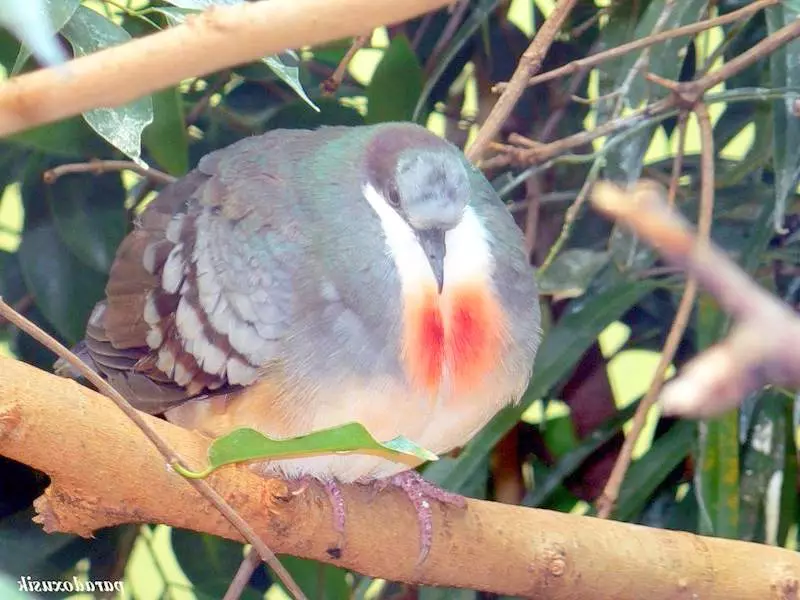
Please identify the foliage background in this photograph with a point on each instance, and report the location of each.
(608, 303)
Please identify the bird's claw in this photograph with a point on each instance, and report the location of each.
(420, 492)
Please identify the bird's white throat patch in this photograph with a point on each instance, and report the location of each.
(467, 259)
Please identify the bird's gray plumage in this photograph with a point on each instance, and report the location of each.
(266, 259)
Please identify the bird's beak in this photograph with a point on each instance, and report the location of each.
(432, 242)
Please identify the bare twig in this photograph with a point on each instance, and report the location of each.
(677, 163)
(173, 459)
(656, 38)
(243, 574)
(529, 63)
(332, 83)
(594, 172)
(608, 499)
(457, 12)
(98, 167)
(202, 104)
(22, 305)
(204, 46)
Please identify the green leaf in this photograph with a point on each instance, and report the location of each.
(784, 72)
(248, 444)
(439, 593)
(285, 67)
(627, 250)
(571, 272)
(717, 470)
(297, 115)
(90, 219)
(759, 153)
(39, 21)
(87, 32)
(764, 466)
(64, 289)
(562, 347)
(396, 84)
(166, 138)
(25, 549)
(70, 138)
(572, 460)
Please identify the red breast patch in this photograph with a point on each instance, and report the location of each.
(462, 330)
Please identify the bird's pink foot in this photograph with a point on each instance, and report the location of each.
(334, 492)
(337, 502)
(421, 492)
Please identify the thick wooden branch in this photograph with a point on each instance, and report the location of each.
(104, 472)
(223, 36)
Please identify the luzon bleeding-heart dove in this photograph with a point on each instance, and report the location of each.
(300, 280)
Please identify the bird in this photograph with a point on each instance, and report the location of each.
(304, 279)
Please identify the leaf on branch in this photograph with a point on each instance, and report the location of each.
(36, 23)
(247, 444)
(88, 32)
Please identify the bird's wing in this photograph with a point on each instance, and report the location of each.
(200, 294)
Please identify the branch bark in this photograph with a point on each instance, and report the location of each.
(116, 476)
(204, 45)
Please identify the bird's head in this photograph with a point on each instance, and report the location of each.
(423, 180)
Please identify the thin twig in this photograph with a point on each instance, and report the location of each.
(239, 582)
(608, 499)
(581, 28)
(166, 451)
(594, 172)
(650, 40)
(98, 167)
(22, 305)
(202, 104)
(677, 163)
(529, 63)
(332, 83)
(456, 17)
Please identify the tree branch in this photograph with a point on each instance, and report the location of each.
(115, 476)
(98, 167)
(204, 45)
(596, 59)
(529, 63)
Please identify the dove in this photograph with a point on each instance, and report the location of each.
(303, 279)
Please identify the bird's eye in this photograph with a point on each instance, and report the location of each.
(393, 198)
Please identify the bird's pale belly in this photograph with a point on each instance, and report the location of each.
(386, 409)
